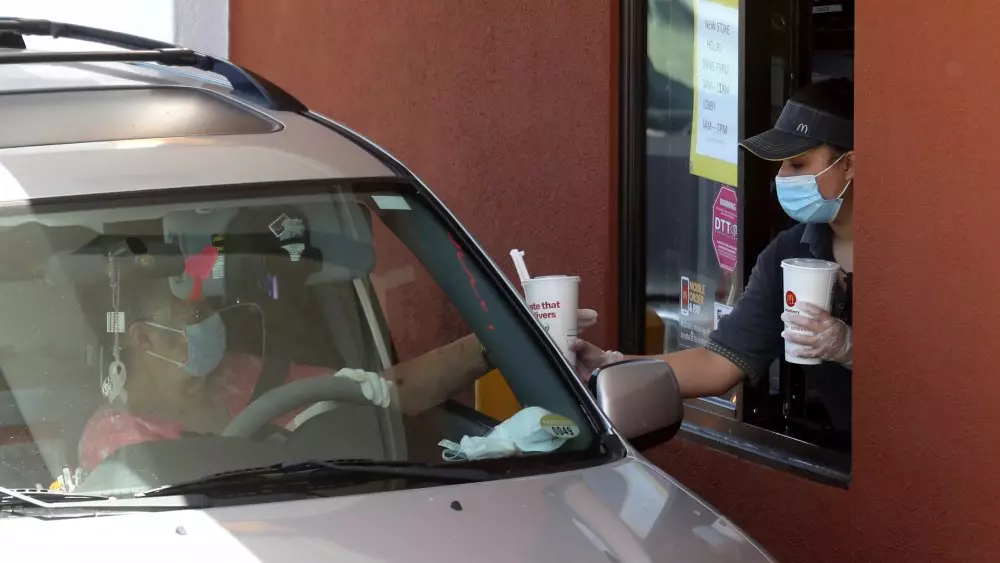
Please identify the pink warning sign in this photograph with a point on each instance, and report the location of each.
(725, 219)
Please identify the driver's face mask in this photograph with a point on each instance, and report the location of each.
(206, 345)
(533, 429)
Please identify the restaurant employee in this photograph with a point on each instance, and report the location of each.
(814, 141)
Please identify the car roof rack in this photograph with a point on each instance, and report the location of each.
(141, 49)
(11, 41)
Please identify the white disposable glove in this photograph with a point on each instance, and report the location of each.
(826, 338)
(585, 318)
(374, 387)
(590, 358)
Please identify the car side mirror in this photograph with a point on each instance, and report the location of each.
(641, 398)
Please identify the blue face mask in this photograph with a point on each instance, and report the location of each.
(801, 199)
(206, 343)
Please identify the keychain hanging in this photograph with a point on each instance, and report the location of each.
(113, 384)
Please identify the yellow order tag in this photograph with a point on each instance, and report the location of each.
(559, 426)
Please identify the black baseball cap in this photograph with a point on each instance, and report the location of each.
(800, 129)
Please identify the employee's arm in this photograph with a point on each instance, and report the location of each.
(702, 373)
(745, 344)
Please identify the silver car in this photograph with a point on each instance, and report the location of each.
(235, 330)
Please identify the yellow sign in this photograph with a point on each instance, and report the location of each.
(494, 397)
(715, 121)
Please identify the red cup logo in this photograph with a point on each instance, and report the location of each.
(790, 299)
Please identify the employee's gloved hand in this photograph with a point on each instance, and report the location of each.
(585, 318)
(830, 338)
(590, 358)
(374, 387)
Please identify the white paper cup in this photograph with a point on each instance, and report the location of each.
(807, 280)
(554, 301)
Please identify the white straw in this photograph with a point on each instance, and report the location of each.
(522, 271)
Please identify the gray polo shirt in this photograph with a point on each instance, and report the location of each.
(750, 336)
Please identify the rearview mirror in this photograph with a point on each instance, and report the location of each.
(642, 400)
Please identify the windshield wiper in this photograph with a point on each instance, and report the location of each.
(50, 502)
(42, 498)
(313, 470)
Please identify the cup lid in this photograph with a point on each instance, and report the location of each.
(552, 278)
(809, 264)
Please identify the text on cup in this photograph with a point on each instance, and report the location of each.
(546, 309)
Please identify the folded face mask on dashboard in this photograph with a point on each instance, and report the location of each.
(532, 429)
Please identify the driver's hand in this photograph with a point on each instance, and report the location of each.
(374, 387)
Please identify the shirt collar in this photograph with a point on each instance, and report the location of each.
(819, 238)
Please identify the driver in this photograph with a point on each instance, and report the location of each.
(176, 376)
(178, 379)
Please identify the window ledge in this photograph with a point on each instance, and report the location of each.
(766, 448)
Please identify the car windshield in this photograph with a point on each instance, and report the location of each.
(156, 340)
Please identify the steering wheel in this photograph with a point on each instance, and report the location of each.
(299, 394)
(292, 396)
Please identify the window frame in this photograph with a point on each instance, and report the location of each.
(707, 421)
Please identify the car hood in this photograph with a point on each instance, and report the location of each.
(627, 511)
